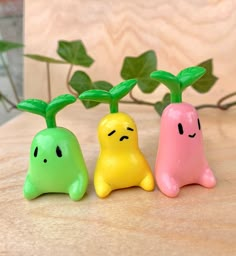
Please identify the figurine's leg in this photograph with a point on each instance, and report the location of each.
(207, 178)
(148, 182)
(30, 191)
(102, 188)
(78, 188)
(168, 185)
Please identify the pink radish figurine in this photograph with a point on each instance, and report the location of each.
(180, 158)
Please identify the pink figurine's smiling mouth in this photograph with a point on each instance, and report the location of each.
(192, 135)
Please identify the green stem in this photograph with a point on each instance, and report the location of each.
(114, 106)
(10, 78)
(175, 97)
(51, 121)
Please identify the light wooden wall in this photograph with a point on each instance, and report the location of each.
(183, 33)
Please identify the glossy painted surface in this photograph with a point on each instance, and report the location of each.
(180, 159)
(56, 165)
(120, 164)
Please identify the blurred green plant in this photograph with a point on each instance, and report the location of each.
(4, 47)
(73, 53)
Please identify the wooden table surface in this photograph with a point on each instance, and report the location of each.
(131, 221)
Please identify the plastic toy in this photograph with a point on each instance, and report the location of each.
(120, 164)
(56, 160)
(180, 158)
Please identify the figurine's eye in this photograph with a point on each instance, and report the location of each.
(36, 152)
(199, 124)
(109, 134)
(180, 127)
(58, 151)
(130, 129)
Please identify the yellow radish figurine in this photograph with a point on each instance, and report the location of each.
(120, 164)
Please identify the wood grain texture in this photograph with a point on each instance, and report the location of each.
(183, 33)
(129, 221)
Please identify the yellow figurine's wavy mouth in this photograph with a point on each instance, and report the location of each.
(124, 137)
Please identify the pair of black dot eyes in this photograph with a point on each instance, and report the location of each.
(181, 129)
(112, 132)
(58, 151)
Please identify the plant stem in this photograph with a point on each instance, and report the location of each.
(49, 82)
(226, 106)
(5, 106)
(140, 102)
(10, 78)
(229, 105)
(68, 80)
(219, 104)
(137, 101)
(206, 106)
(13, 105)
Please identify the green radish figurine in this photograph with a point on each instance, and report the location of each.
(180, 159)
(56, 161)
(120, 164)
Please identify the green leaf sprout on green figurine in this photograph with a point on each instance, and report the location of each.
(56, 161)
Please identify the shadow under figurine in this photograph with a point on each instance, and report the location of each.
(56, 161)
(120, 164)
(180, 158)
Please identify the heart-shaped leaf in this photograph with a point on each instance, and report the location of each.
(81, 82)
(102, 85)
(6, 46)
(206, 82)
(140, 68)
(74, 52)
(44, 59)
(161, 105)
